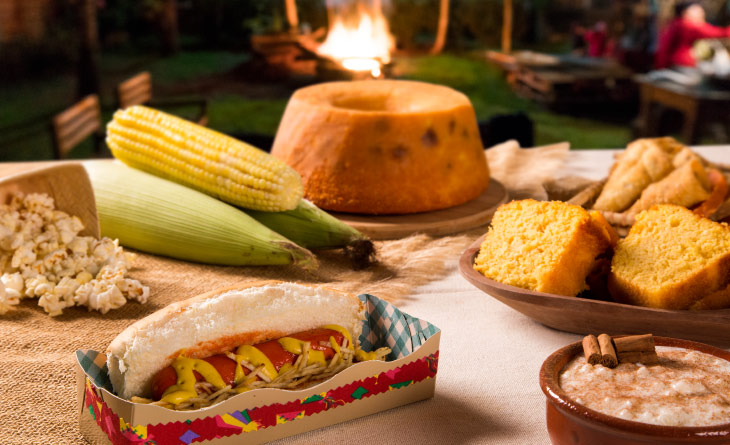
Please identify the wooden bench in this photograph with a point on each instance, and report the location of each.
(73, 125)
(137, 90)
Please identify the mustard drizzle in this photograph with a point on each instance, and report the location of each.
(184, 389)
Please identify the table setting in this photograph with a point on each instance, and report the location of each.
(380, 275)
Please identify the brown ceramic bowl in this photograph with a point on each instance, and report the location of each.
(570, 423)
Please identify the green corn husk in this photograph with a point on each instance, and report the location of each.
(313, 228)
(161, 217)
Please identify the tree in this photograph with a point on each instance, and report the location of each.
(507, 27)
(291, 15)
(169, 28)
(443, 27)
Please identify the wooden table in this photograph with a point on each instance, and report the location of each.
(487, 389)
(565, 78)
(699, 104)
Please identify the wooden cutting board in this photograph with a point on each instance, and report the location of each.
(475, 213)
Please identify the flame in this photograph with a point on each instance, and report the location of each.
(360, 45)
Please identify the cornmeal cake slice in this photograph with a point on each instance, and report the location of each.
(544, 246)
(673, 259)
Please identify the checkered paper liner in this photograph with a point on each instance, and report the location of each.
(385, 325)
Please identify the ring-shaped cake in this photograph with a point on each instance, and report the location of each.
(383, 147)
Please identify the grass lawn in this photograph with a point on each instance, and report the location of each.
(491, 95)
(26, 108)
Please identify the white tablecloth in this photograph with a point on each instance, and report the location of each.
(487, 387)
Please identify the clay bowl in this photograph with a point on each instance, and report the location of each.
(586, 316)
(570, 423)
(67, 183)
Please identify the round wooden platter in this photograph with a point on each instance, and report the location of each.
(586, 316)
(466, 216)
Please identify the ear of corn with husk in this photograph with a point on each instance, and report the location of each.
(157, 216)
(204, 159)
(313, 228)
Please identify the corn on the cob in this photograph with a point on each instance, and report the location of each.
(313, 228)
(160, 217)
(203, 159)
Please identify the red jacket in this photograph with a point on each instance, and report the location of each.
(597, 42)
(676, 40)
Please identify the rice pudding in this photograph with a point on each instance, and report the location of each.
(686, 388)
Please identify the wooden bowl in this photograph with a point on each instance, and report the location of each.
(570, 423)
(585, 316)
(67, 183)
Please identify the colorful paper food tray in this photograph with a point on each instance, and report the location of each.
(408, 375)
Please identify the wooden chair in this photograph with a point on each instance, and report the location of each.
(137, 90)
(73, 125)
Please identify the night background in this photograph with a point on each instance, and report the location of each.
(238, 61)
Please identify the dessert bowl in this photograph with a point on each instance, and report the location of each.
(571, 423)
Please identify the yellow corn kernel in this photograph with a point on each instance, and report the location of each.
(203, 159)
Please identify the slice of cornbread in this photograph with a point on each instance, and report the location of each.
(544, 246)
(672, 259)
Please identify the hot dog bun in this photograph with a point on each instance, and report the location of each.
(220, 320)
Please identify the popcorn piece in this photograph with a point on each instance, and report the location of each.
(134, 290)
(23, 255)
(84, 277)
(13, 284)
(6, 301)
(66, 288)
(37, 286)
(105, 296)
(42, 255)
(52, 304)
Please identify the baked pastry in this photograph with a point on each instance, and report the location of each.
(641, 164)
(672, 259)
(657, 171)
(544, 246)
(383, 147)
(686, 186)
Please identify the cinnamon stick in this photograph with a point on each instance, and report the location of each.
(635, 343)
(591, 349)
(608, 353)
(636, 348)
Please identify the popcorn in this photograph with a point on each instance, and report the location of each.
(9, 297)
(52, 304)
(42, 255)
(105, 296)
(13, 284)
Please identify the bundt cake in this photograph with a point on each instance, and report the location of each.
(673, 259)
(383, 147)
(544, 246)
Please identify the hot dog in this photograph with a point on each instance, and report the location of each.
(201, 351)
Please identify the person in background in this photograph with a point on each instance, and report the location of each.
(597, 40)
(677, 38)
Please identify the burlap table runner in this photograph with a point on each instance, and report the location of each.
(37, 387)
